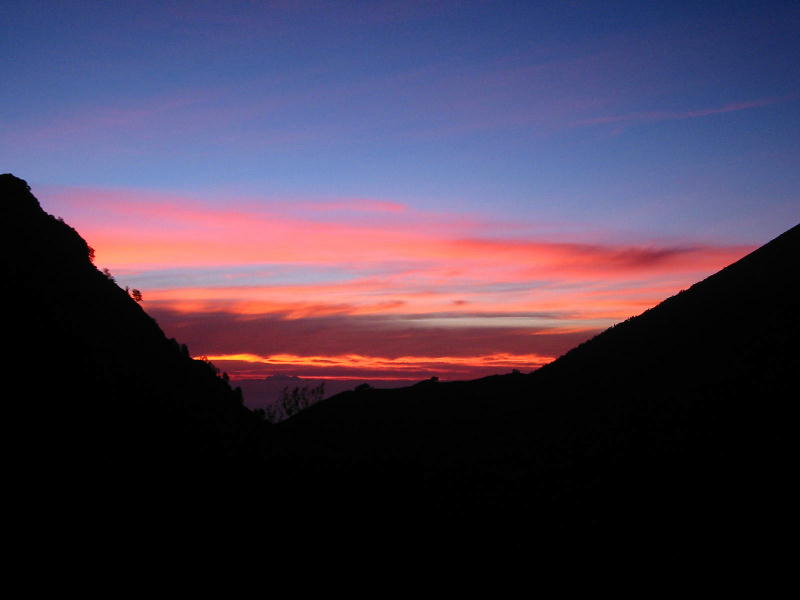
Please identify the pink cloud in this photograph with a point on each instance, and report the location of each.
(108, 121)
(420, 271)
(173, 231)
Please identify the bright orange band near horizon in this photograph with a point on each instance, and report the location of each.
(502, 361)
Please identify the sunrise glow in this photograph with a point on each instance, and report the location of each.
(404, 189)
(264, 286)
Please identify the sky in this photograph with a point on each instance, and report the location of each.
(399, 190)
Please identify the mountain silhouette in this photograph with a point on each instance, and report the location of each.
(101, 390)
(681, 417)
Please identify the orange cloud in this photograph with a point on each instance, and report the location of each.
(305, 365)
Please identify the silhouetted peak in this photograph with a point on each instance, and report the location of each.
(7, 179)
(17, 194)
(110, 388)
(33, 233)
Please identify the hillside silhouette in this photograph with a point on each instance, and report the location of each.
(102, 391)
(680, 417)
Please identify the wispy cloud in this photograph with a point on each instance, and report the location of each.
(174, 231)
(353, 205)
(651, 116)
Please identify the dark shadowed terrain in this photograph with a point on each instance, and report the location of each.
(682, 417)
(111, 392)
(266, 392)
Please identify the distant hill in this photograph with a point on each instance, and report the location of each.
(266, 392)
(282, 378)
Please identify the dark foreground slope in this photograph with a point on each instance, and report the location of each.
(95, 389)
(682, 416)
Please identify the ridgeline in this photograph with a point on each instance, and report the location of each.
(681, 417)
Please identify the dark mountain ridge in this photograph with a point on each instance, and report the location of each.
(684, 411)
(681, 416)
(113, 393)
